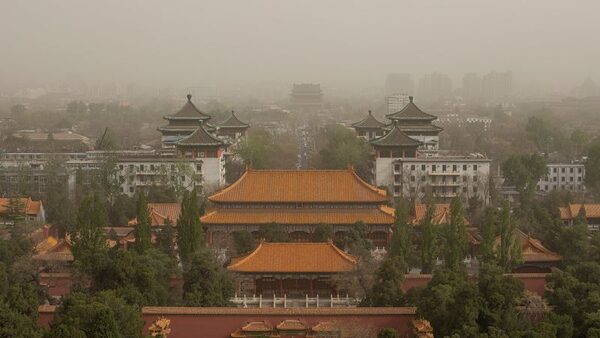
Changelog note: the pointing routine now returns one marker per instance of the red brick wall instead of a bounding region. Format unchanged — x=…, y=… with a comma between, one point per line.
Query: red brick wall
x=221, y=322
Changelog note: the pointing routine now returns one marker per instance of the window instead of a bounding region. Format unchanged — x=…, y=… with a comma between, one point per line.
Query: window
x=554, y=170
x=562, y=170
x=198, y=167
x=433, y=168
x=474, y=178
x=120, y=167
x=412, y=167
x=423, y=178
x=571, y=179
x=443, y=167
x=130, y=189
x=571, y=170
x=172, y=167
x=182, y=178
x=553, y=179
x=562, y=179
x=474, y=167
x=422, y=167
x=579, y=179
x=396, y=190
x=397, y=167
x=454, y=168
x=412, y=178
x=464, y=189
x=474, y=190
x=464, y=167
x=141, y=167
x=579, y=170
x=455, y=179
x=152, y=167
x=131, y=167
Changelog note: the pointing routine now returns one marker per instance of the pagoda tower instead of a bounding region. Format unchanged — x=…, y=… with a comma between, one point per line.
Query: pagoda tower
x=417, y=124
x=369, y=127
x=232, y=128
x=203, y=145
x=389, y=147
x=183, y=123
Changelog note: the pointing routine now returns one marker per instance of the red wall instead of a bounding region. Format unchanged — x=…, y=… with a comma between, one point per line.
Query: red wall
x=221, y=322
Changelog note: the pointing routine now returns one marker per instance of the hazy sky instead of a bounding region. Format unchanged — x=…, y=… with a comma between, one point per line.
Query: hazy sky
x=182, y=43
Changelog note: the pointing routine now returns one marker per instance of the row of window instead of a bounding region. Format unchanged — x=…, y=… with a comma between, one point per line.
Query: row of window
x=554, y=187
x=445, y=190
x=434, y=167
x=571, y=170
x=562, y=179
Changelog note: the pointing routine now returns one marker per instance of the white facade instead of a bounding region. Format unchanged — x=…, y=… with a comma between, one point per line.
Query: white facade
x=443, y=176
x=563, y=176
x=135, y=169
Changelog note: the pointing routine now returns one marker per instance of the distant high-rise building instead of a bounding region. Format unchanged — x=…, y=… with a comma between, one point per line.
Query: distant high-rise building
x=396, y=83
x=434, y=87
x=306, y=96
x=396, y=102
x=497, y=87
x=471, y=87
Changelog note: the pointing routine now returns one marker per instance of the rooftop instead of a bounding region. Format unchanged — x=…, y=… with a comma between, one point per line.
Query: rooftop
x=572, y=210
x=189, y=112
x=369, y=122
x=294, y=258
x=382, y=215
x=441, y=214
x=29, y=206
x=200, y=137
x=233, y=122
x=160, y=213
x=411, y=112
x=300, y=186
x=532, y=249
x=395, y=137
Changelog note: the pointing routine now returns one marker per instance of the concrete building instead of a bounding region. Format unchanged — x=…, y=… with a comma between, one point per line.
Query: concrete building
x=563, y=176
x=306, y=96
x=442, y=176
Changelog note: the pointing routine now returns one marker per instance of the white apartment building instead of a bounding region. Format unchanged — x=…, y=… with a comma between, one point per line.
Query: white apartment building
x=442, y=176
x=563, y=176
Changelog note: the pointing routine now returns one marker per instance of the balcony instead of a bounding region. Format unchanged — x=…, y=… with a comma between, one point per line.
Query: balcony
x=443, y=173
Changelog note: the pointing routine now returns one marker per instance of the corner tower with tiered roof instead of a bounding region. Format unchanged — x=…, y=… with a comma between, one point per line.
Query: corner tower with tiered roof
x=183, y=123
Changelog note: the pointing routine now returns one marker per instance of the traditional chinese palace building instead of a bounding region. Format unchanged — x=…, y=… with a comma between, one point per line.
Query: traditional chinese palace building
x=291, y=269
x=299, y=201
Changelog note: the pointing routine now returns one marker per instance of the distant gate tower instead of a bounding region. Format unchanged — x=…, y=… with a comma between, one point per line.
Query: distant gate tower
x=306, y=97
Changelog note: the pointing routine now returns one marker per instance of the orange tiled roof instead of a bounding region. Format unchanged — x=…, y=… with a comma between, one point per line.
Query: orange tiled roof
x=326, y=327
x=532, y=249
x=295, y=258
x=307, y=186
x=572, y=210
x=31, y=207
x=54, y=249
x=441, y=215
x=291, y=324
x=160, y=212
x=261, y=326
x=332, y=216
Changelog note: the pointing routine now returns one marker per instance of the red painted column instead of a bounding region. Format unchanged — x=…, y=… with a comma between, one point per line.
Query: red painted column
x=280, y=287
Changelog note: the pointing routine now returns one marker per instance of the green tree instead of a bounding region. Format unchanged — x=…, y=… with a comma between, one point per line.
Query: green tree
x=592, y=167
x=387, y=333
x=190, y=236
x=166, y=239
x=386, y=290
x=338, y=148
x=574, y=293
x=509, y=249
x=88, y=237
x=451, y=304
x=524, y=171
x=273, y=232
x=323, y=233
x=141, y=279
x=402, y=238
x=243, y=242
x=429, y=240
x=142, y=231
x=455, y=237
x=16, y=209
x=488, y=234
x=101, y=315
x=204, y=283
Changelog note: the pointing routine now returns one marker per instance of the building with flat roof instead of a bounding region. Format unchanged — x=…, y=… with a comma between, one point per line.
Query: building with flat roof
x=563, y=176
